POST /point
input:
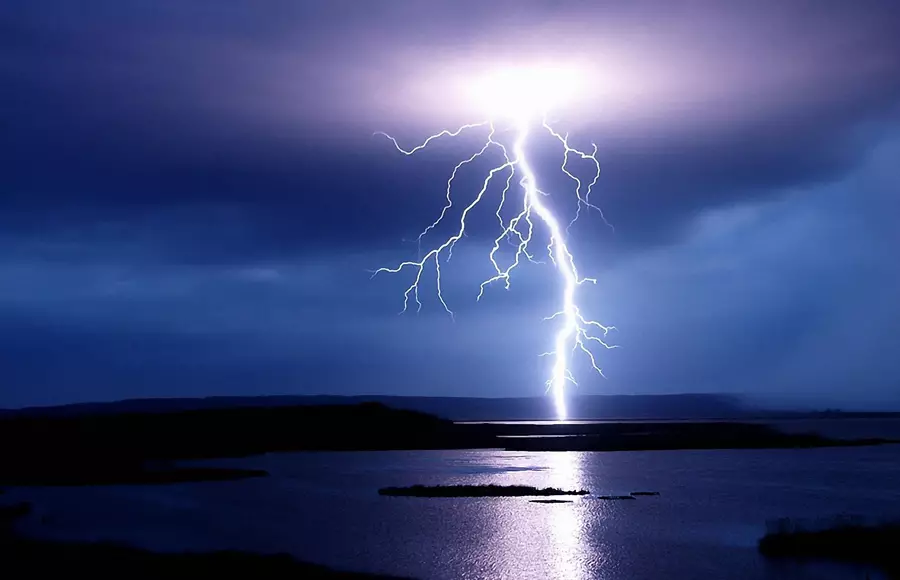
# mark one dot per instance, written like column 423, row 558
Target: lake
column 324, row 507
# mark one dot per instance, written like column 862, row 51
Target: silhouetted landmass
column 228, row 432
column 9, row 514
column 687, row 406
column 140, row 447
column 102, row 449
column 878, row 545
column 674, row 435
column 614, row 497
column 550, row 501
column 31, row 558
column 644, row 493
column 476, row 491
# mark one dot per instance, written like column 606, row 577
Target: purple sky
column 192, row 197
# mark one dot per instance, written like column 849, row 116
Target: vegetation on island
column 476, row 491
column 845, row 540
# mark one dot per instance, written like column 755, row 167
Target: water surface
column 324, row 507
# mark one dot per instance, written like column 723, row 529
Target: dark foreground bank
column 878, row 545
column 30, row 558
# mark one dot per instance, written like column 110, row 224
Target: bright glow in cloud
column 521, row 93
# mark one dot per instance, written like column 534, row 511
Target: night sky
column 192, row 198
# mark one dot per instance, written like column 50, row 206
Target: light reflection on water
column 527, row 539
column 324, row 507
column 564, row 522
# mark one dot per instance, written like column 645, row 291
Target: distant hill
column 590, row 407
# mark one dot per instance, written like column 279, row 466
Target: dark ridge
column 550, row 501
column 102, row 449
column 629, row 407
column 878, row 545
column 227, row 432
column 9, row 514
column 644, row 493
column 611, row 497
column 475, row 491
column 32, row 558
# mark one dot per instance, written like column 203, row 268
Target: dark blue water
column 324, row 507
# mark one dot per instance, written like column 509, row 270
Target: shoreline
column 144, row 448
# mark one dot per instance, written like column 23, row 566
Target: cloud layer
column 192, row 198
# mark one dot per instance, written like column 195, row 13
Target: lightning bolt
column 575, row 333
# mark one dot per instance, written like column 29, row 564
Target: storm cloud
column 193, row 199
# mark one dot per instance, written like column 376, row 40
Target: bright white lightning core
column 522, row 97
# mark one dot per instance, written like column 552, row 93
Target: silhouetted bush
column 842, row 538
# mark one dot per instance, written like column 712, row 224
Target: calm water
column 324, row 507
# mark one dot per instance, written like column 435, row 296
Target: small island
column 476, row 491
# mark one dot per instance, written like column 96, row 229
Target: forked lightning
column 575, row 333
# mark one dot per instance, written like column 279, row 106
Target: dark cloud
column 184, row 181
column 130, row 108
